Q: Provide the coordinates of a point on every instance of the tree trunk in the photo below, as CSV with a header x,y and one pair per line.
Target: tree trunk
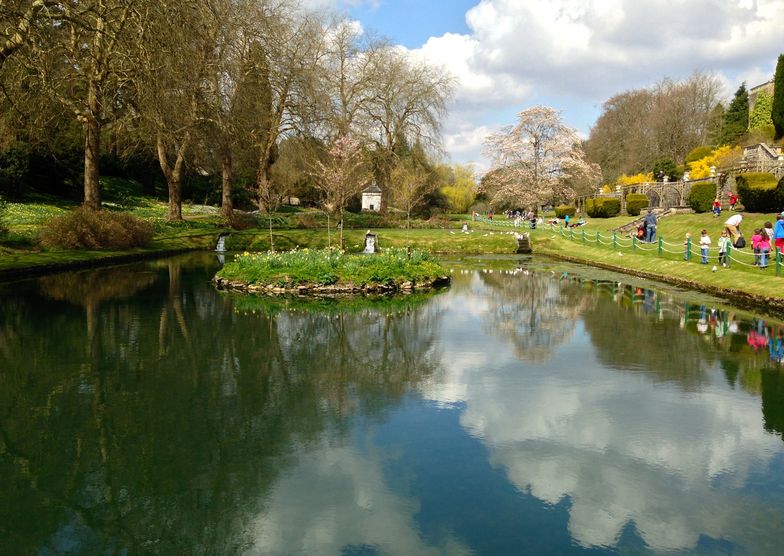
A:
x,y
342,246
175,197
173,175
227,208
92,153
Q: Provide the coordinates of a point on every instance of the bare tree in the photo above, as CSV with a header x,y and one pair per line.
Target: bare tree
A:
x,y
639,127
408,100
342,176
84,58
411,183
534,159
180,55
17,21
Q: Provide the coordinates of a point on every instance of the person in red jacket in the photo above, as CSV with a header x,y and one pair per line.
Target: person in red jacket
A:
x,y
733,200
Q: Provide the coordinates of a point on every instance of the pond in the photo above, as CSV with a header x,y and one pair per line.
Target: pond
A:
x,y
533,407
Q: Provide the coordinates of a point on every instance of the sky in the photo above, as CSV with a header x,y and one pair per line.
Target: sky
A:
x,y
572,55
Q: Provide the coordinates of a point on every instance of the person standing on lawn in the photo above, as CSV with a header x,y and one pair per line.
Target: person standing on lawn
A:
x,y
650,227
723,244
705,242
733,200
764,246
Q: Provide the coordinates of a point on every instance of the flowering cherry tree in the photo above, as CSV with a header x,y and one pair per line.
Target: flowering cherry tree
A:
x,y
535,161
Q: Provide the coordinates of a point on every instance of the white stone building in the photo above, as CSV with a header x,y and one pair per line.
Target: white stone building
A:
x,y
371,198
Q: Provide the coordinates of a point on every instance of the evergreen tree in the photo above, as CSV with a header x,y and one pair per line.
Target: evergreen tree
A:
x,y
761,113
736,118
777,112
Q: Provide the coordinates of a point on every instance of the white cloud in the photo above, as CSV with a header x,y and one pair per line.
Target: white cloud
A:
x,y
352,507
574,54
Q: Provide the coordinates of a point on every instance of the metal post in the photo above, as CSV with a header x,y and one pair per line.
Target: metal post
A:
x,y
571,233
688,249
634,243
660,246
615,241
598,243
729,254
778,261
583,236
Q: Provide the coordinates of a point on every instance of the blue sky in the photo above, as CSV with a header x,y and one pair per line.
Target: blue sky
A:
x,y
508,55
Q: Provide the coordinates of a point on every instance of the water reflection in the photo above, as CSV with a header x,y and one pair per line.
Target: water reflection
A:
x,y
620,452
143,412
167,433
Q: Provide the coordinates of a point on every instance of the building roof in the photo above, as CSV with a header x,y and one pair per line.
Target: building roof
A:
x,y
372,188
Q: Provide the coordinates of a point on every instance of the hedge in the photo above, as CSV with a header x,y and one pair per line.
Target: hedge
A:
x,y
702,196
603,207
635,202
563,210
759,192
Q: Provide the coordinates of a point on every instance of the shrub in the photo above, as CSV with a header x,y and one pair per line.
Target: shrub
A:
x,y
563,210
722,156
759,192
698,152
86,229
702,196
603,207
625,180
635,202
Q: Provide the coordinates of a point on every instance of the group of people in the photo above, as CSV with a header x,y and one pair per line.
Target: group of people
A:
x,y
716,206
763,240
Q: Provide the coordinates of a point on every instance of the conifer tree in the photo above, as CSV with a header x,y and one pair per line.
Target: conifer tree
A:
x,y
777,112
736,118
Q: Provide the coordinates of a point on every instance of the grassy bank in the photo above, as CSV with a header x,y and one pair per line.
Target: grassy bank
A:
x,y
738,284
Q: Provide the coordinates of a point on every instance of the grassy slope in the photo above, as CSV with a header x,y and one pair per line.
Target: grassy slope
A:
x,y
739,278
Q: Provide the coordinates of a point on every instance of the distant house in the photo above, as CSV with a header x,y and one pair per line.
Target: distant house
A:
x,y
755,91
371,198
762,152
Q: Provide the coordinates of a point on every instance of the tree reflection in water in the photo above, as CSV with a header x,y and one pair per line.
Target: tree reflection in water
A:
x,y
166,434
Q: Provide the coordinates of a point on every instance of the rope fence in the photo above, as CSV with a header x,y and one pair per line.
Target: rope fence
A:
x,y
687,250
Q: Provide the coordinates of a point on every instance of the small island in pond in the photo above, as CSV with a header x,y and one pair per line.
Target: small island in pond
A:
x,y
331,272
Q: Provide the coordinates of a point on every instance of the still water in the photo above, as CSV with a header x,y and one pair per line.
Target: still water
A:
x,y
532,408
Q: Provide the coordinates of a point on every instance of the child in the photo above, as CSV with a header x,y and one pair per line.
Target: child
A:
x,y
724,241
733,200
764,244
716,207
755,245
640,232
705,242
687,247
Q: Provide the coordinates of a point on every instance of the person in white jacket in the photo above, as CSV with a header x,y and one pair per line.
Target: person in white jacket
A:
x,y
705,242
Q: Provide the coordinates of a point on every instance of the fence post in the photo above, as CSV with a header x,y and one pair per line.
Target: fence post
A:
x,y
634,243
571,233
688,250
778,261
583,236
615,241
598,243
729,254
660,245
